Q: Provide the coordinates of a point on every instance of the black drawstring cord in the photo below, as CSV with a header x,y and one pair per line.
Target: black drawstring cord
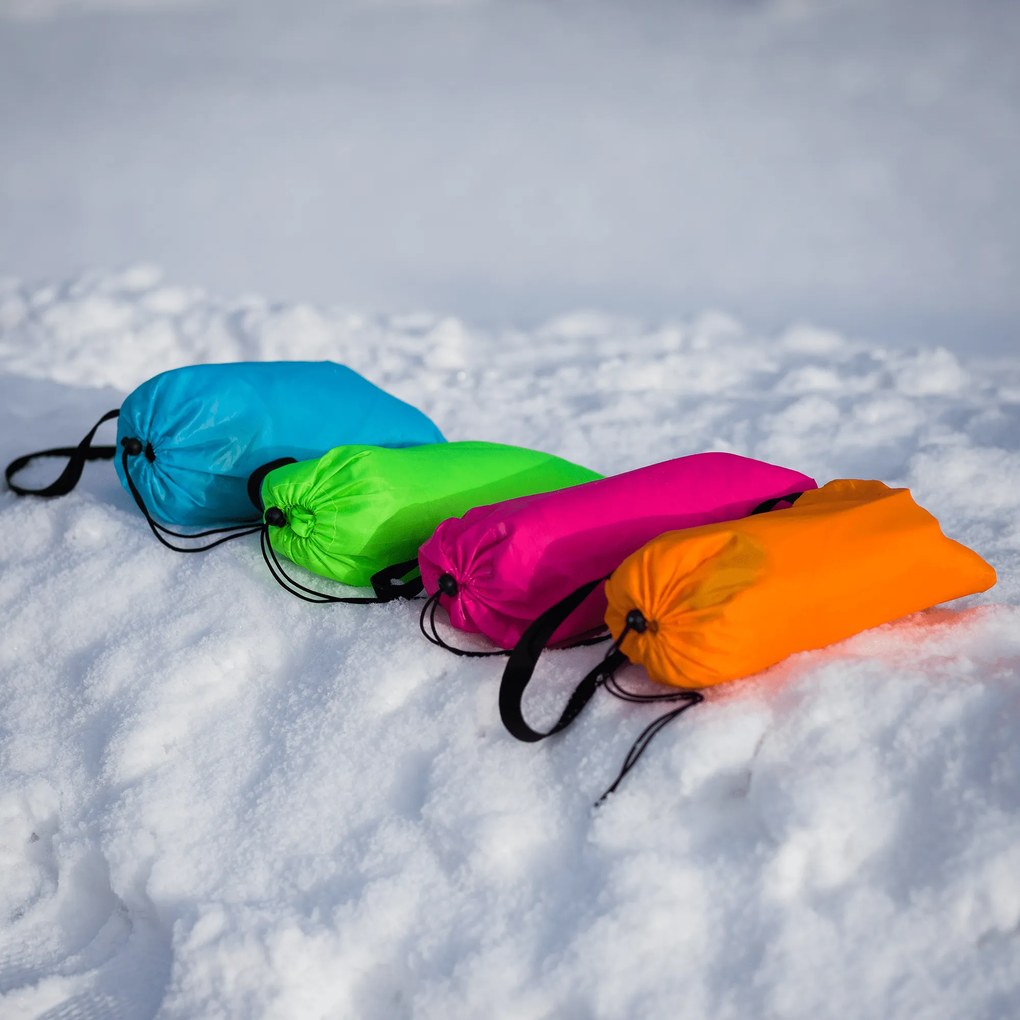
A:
x,y
131,448
295,587
615,646
447,585
430,603
520,667
649,732
635,621
596,640
382,582
281,577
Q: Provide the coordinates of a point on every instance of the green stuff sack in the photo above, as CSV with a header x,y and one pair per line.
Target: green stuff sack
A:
x,y
358,511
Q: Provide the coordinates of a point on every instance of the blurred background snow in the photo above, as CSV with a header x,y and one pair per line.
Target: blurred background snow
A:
x,y
847,162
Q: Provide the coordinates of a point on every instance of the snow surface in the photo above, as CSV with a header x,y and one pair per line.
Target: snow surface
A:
x,y
218,801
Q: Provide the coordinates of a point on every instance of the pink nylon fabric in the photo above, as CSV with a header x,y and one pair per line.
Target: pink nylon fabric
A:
x,y
513,560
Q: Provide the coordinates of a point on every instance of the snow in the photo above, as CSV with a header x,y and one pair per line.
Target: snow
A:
x,y
784,229
220,801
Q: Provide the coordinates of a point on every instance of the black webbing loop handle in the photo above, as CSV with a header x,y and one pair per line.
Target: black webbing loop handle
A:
x,y
77,457
770,504
524,657
389,583
522,663
258,476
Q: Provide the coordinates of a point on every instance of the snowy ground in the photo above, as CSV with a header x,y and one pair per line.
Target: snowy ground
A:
x,y
219,802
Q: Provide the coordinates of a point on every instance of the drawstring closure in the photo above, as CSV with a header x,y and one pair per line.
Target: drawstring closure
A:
x,y
276,518
275,567
386,583
132,447
446,584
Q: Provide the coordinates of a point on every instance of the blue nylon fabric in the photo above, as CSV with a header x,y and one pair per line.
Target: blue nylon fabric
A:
x,y
210,426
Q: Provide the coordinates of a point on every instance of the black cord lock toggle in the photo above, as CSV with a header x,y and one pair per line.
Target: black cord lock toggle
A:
x,y
448,584
636,621
132,445
275,517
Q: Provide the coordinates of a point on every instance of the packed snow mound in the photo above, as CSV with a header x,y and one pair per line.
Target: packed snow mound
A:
x,y
218,801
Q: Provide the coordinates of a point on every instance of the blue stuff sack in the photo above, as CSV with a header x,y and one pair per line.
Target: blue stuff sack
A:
x,y
189,439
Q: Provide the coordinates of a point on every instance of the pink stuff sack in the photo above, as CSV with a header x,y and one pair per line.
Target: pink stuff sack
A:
x,y
498,567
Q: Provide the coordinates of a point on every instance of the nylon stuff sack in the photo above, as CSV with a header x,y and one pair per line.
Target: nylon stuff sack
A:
x,y
358,514
717,603
497,567
188,439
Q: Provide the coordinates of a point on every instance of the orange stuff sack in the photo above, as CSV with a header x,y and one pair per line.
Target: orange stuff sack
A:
x,y
724,601
705,605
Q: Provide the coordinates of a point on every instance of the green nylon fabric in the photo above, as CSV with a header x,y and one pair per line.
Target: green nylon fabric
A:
x,y
359,509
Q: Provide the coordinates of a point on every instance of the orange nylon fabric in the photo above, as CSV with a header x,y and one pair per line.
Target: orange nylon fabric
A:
x,y
727,600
